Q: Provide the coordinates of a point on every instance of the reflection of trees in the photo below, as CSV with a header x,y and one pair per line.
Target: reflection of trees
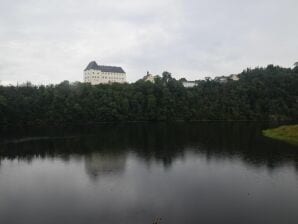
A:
x,y
97,164
159,142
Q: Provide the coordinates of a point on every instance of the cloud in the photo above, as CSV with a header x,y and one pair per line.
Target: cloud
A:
x,y
50,41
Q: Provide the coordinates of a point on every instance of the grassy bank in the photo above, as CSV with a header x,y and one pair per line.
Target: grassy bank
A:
x,y
287,133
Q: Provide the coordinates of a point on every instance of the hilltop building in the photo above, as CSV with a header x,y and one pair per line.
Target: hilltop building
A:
x,y
101,74
149,77
234,77
189,84
224,79
221,79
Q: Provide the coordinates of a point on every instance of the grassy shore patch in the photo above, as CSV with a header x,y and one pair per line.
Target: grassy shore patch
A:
x,y
287,133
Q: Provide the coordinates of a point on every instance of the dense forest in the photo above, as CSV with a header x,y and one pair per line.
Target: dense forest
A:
x,y
269,93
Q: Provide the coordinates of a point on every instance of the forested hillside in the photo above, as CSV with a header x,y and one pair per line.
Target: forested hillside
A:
x,y
269,93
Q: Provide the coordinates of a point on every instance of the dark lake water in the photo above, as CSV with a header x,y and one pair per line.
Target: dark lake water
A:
x,y
181,173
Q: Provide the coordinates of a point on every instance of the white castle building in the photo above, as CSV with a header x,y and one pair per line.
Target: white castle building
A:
x,y
98,74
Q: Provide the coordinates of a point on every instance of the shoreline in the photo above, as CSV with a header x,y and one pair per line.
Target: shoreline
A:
x,y
285,133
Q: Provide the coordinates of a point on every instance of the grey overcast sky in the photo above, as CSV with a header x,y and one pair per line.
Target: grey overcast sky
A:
x,y
48,41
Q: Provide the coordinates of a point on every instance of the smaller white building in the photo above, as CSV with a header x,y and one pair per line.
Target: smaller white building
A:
x,y
221,79
189,84
234,77
224,79
101,74
149,77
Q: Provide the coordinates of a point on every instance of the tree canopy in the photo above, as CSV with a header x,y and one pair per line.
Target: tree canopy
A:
x,y
269,93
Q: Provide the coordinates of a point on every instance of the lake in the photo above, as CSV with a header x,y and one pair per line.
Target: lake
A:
x,y
208,172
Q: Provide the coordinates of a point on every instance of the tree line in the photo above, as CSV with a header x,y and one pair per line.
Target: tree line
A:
x,y
269,93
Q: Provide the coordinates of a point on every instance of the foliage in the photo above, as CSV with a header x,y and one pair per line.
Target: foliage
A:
x,y
269,93
287,133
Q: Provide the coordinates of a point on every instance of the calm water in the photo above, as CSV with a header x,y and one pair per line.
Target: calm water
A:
x,y
182,173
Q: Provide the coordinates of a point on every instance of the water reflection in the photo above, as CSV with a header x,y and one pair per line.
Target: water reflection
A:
x,y
183,173
152,142
101,164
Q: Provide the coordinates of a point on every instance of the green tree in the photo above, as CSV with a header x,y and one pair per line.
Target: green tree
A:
x,y
269,93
